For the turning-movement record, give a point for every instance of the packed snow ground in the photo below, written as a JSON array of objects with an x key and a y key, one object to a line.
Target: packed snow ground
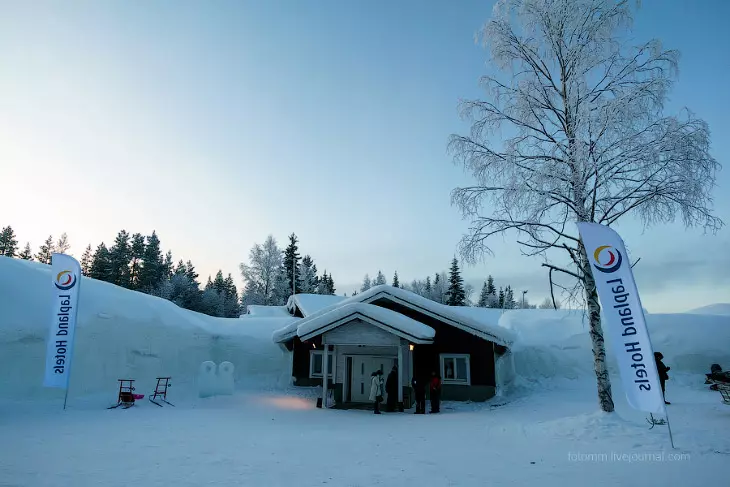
[
  {"x": 553, "y": 438},
  {"x": 270, "y": 434}
]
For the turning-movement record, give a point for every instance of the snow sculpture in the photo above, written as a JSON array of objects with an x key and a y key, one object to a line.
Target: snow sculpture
[
  {"x": 225, "y": 378},
  {"x": 207, "y": 380}
]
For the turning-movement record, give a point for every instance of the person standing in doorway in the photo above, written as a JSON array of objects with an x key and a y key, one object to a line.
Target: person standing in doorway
[
  {"x": 376, "y": 389},
  {"x": 435, "y": 390},
  {"x": 391, "y": 388},
  {"x": 662, "y": 370},
  {"x": 419, "y": 390}
]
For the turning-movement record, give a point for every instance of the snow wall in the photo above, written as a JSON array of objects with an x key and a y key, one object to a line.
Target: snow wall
[
  {"x": 554, "y": 345},
  {"x": 125, "y": 334}
]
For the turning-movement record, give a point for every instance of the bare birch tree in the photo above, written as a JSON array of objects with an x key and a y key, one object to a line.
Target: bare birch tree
[{"x": 586, "y": 140}]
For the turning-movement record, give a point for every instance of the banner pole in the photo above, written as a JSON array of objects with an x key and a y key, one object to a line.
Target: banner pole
[{"x": 669, "y": 427}]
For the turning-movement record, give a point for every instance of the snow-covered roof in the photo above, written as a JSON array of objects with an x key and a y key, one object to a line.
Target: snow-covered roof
[
  {"x": 267, "y": 311},
  {"x": 385, "y": 319},
  {"x": 311, "y": 303},
  {"x": 480, "y": 324}
]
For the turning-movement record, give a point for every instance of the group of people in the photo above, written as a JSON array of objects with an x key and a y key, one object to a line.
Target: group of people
[{"x": 390, "y": 388}]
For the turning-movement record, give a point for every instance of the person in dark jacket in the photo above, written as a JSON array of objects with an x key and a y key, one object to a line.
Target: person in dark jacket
[
  {"x": 419, "y": 390},
  {"x": 662, "y": 370},
  {"x": 391, "y": 388},
  {"x": 435, "y": 390}
]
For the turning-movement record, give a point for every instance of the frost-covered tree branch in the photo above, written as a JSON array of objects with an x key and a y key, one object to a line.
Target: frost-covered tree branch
[{"x": 583, "y": 138}]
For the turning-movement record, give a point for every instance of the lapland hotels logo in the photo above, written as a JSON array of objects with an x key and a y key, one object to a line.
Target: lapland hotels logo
[
  {"x": 65, "y": 280},
  {"x": 611, "y": 259}
]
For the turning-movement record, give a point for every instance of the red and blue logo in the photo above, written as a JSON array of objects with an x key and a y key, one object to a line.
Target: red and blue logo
[
  {"x": 65, "y": 280},
  {"x": 607, "y": 258}
]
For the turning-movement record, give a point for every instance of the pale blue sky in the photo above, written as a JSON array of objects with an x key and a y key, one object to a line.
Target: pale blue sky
[{"x": 217, "y": 123}]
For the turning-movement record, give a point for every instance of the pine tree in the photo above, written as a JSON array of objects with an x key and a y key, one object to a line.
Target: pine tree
[
  {"x": 455, "y": 295},
  {"x": 323, "y": 285},
  {"x": 484, "y": 296},
  {"x": 379, "y": 279},
  {"x": 231, "y": 308},
  {"x": 101, "y": 264},
  {"x": 45, "y": 252},
  {"x": 120, "y": 254},
  {"x": 192, "y": 275},
  {"x": 208, "y": 285},
  {"x": 62, "y": 245},
  {"x": 501, "y": 298},
  {"x": 330, "y": 285},
  {"x": 366, "y": 284},
  {"x": 86, "y": 260},
  {"x": 152, "y": 271},
  {"x": 396, "y": 282},
  {"x": 308, "y": 275},
  {"x": 137, "y": 256},
  {"x": 490, "y": 285},
  {"x": 291, "y": 264},
  {"x": 8, "y": 242},
  {"x": 167, "y": 266},
  {"x": 509, "y": 298},
  {"x": 219, "y": 283},
  {"x": 26, "y": 254}
]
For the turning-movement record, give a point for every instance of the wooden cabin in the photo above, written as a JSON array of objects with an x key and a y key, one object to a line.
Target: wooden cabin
[{"x": 387, "y": 326}]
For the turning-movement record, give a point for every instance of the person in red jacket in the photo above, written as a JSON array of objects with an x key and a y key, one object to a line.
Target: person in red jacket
[{"x": 435, "y": 390}]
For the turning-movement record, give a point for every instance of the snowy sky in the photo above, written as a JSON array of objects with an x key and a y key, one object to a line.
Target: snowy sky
[{"x": 217, "y": 123}]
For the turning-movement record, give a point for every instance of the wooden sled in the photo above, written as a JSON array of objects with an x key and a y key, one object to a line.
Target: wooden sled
[
  {"x": 126, "y": 397},
  {"x": 161, "y": 391},
  {"x": 724, "y": 388}
]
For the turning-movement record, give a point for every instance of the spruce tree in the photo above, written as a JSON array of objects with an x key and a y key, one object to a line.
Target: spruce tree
[
  {"x": 231, "y": 308},
  {"x": 330, "y": 285},
  {"x": 509, "y": 298},
  {"x": 291, "y": 265},
  {"x": 101, "y": 264},
  {"x": 208, "y": 285},
  {"x": 490, "y": 285},
  {"x": 8, "y": 242},
  {"x": 379, "y": 279},
  {"x": 484, "y": 296},
  {"x": 396, "y": 282},
  {"x": 120, "y": 254},
  {"x": 428, "y": 286},
  {"x": 137, "y": 257},
  {"x": 323, "y": 285},
  {"x": 366, "y": 284},
  {"x": 308, "y": 274},
  {"x": 500, "y": 302},
  {"x": 86, "y": 260},
  {"x": 219, "y": 283},
  {"x": 45, "y": 251},
  {"x": 167, "y": 266},
  {"x": 152, "y": 272},
  {"x": 62, "y": 245},
  {"x": 455, "y": 294},
  {"x": 26, "y": 254}
]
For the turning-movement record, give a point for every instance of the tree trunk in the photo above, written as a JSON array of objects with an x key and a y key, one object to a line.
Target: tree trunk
[{"x": 599, "y": 350}]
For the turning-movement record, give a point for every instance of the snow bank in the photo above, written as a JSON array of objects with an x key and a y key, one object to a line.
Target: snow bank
[
  {"x": 125, "y": 334},
  {"x": 555, "y": 344},
  {"x": 712, "y": 309}
]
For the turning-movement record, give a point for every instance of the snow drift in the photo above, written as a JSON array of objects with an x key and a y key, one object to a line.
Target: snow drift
[
  {"x": 125, "y": 334},
  {"x": 712, "y": 309}
]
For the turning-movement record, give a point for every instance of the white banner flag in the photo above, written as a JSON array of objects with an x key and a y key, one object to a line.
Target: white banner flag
[
  {"x": 66, "y": 277},
  {"x": 624, "y": 315}
]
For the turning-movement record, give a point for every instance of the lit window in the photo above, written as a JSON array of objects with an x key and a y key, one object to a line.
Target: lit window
[
  {"x": 455, "y": 369},
  {"x": 315, "y": 363}
]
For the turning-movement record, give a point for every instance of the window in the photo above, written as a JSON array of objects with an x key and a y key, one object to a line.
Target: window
[
  {"x": 315, "y": 363},
  {"x": 455, "y": 369}
]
